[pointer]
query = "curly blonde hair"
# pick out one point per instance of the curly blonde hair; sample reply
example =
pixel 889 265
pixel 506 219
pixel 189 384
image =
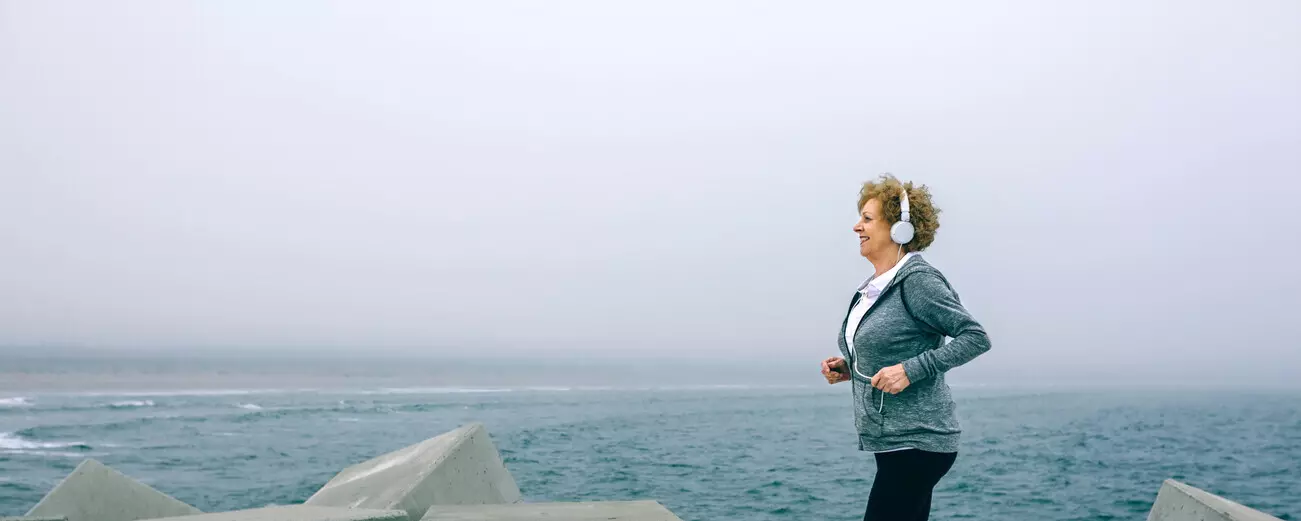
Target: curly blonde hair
pixel 923 214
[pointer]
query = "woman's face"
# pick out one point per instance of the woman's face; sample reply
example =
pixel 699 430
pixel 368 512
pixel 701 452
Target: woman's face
pixel 873 230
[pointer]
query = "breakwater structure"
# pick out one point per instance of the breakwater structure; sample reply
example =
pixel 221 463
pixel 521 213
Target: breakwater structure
pixel 456 476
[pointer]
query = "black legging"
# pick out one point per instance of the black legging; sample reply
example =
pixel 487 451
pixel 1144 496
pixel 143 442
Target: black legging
pixel 904 479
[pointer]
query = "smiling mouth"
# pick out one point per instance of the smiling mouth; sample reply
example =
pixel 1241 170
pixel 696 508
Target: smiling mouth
pixel 863 239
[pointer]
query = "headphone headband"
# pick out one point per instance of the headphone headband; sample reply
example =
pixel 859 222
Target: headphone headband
pixel 902 232
pixel 905 215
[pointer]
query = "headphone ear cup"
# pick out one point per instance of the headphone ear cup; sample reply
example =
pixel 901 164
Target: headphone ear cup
pixel 901 232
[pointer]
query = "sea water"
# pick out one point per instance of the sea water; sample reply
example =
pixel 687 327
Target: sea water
pixel 707 453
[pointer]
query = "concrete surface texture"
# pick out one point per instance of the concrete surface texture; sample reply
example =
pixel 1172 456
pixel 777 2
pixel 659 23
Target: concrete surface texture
pixel 1180 502
pixel 298 513
pixel 94 492
pixel 460 467
pixel 586 511
pixel 28 518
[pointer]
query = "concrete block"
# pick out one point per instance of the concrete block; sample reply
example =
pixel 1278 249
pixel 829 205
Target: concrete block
pixel 94 492
pixel 297 513
pixel 585 511
pixel 460 467
pixel 1180 502
pixel 28 518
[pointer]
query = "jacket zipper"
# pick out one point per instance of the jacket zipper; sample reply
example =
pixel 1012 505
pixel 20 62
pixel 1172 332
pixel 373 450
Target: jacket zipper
pixel 853 360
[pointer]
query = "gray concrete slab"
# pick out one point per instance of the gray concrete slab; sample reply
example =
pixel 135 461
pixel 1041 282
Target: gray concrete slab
pixel 577 511
pixel 297 513
pixel 94 492
pixel 460 467
pixel 29 518
pixel 1180 502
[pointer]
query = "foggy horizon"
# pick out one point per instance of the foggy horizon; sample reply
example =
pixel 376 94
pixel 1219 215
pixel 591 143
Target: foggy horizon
pixel 669 181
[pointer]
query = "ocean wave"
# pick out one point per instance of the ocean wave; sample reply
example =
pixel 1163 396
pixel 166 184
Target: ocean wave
pixel 729 387
pixel 249 406
pixel 9 442
pixel 57 430
pixel 579 388
pixel 188 392
pixel 131 404
pixel 434 390
pixel 54 453
pixel 24 403
pixel 16 401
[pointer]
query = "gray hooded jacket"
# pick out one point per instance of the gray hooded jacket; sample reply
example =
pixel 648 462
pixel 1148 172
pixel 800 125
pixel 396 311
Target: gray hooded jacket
pixel 907 325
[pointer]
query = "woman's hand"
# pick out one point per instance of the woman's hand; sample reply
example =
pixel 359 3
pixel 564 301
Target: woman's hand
pixel 835 370
pixel 891 379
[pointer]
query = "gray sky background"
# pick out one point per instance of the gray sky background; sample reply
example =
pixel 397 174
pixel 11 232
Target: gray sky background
pixel 668 178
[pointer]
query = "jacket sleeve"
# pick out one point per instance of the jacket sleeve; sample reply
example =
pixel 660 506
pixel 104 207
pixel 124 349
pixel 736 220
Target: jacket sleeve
pixel 934 303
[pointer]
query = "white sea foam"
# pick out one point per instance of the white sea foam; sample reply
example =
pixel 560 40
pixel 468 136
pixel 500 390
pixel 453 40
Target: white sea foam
pixel 722 387
pixel 250 406
pixel 129 404
pixel 14 402
pixel 433 390
pixel 577 388
pixel 57 454
pixel 188 392
pixel 9 442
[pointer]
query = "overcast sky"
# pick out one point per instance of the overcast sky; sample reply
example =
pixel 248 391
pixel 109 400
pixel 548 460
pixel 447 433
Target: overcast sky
pixel 674 178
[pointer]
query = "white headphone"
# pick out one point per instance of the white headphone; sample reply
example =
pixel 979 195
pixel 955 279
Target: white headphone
pixel 902 232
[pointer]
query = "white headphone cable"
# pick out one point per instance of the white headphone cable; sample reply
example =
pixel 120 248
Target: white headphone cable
pixel 880 409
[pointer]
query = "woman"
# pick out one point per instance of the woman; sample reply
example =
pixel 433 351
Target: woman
pixel 895 355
